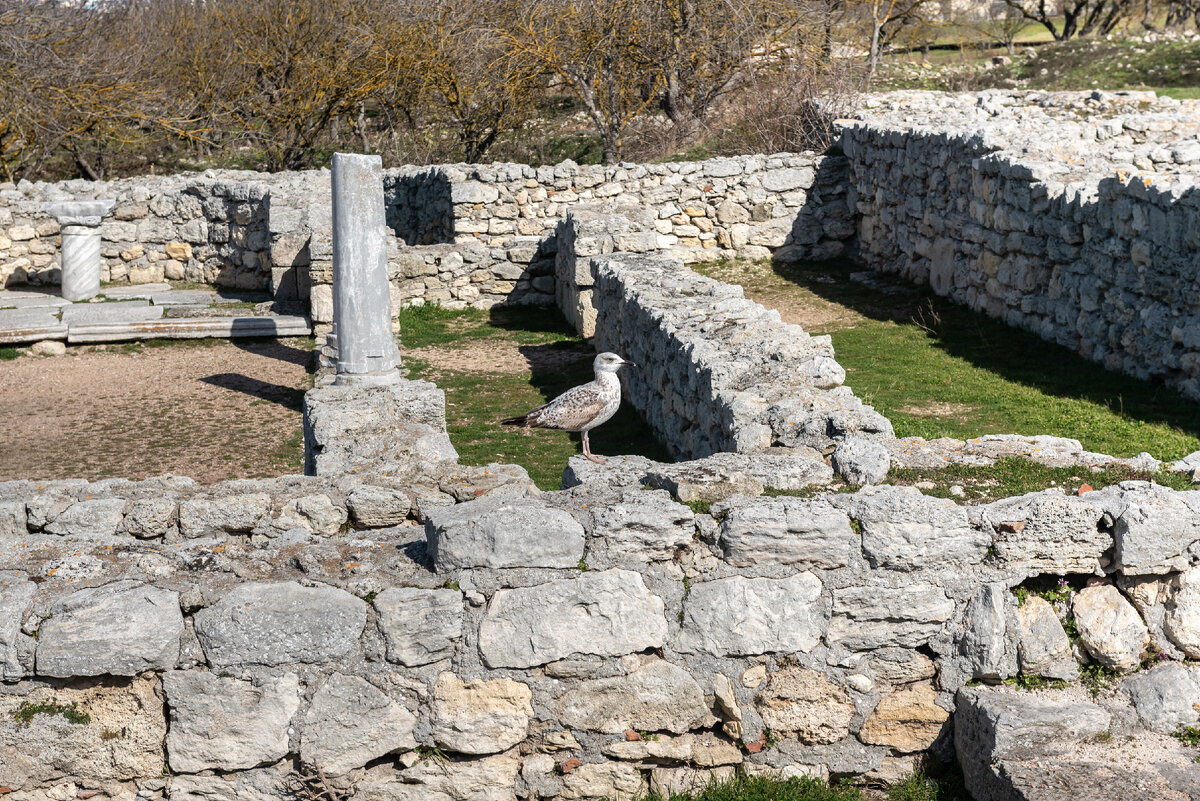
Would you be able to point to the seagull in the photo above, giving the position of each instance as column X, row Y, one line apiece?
column 581, row 408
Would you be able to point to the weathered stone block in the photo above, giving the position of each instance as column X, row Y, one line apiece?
column 865, row 618
column 97, row 518
column 228, row 724
column 502, row 532
column 119, row 629
column 352, row 722
column 642, row 527
column 788, row 531
column 419, row 626
column 608, row 613
column 906, row 530
column 740, row 616
column 1109, row 627
column 657, row 697
column 908, row 720
column 479, row 717
column 807, row 703
column 280, row 624
column 230, row 513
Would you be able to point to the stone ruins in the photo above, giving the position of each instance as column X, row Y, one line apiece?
column 396, row 626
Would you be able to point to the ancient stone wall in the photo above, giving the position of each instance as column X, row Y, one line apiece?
column 1083, row 230
column 209, row 228
column 160, row 639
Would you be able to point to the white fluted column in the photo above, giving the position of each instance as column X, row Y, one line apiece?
column 80, row 253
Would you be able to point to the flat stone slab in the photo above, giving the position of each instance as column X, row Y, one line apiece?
column 191, row 328
column 31, row 300
column 183, row 297
column 123, row 311
column 30, row 325
column 144, row 291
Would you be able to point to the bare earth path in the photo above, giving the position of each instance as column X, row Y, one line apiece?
column 208, row 410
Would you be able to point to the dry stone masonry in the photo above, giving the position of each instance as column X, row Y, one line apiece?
column 396, row 626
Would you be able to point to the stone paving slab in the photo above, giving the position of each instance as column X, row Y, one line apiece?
column 145, row 291
column 29, row 325
column 31, row 301
column 125, row 311
column 191, row 328
column 183, row 297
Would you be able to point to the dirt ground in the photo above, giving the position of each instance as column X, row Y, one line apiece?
column 211, row 410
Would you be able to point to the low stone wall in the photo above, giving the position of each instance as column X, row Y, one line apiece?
column 209, row 228
column 159, row 639
column 1091, row 247
column 717, row 372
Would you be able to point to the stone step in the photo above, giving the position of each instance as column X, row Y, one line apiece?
column 191, row 328
column 124, row 311
column 132, row 291
column 30, row 300
column 183, row 297
column 32, row 332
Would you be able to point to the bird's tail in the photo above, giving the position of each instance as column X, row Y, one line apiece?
column 523, row 420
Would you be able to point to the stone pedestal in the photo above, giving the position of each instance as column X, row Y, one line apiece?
column 80, row 255
column 362, row 301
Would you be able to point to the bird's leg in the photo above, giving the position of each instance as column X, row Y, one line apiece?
column 587, row 451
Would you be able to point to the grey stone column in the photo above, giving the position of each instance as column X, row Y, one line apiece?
column 80, row 253
column 362, row 297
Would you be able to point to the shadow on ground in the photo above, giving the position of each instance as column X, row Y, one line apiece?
column 1014, row 355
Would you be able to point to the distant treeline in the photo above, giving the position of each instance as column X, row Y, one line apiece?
column 115, row 87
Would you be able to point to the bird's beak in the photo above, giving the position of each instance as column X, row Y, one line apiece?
column 628, row 363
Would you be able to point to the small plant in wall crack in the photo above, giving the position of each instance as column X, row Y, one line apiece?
column 26, row 712
column 309, row 783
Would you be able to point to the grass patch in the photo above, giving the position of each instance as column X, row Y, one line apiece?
column 1015, row 476
column 765, row 788
column 26, row 712
column 8, row 354
column 476, row 400
column 936, row 369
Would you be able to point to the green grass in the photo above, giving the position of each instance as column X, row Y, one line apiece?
column 937, row 369
column 477, row 399
column 765, row 788
column 1015, row 476
column 26, row 712
column 8, row 354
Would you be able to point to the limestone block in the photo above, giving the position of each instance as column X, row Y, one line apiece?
column 657, row 697
column 906, row 530
column 377, row 507
column 230, row 513
column 807, row 703
column 642, row 527
column 1109, row 627
column 987, row 641
column 605, row 780
column 702, row 750
column 491, row 778
column 1153, row 527
column 608, row 613
column 669, row 782
column 224, row 723
column 50, row 748
column 1165, row 697
column 898, row 666
column 788, row 531
column 788, row 179
column 499, row 532
column 865, row 618
column 1182, row 620
column 419, row 626
column 149, row 517
column 16, row 591
column 263, row 784
column 1043, row 648
column 473, row 192
column 96, row 518
column 740, row 616
column 861, row 460
column 119, row 629
column 279, row 624
column 350, row 723
column 479, row 717
column 907, row 720
column 1048, row 532
column 313, row 513
column 990, row 724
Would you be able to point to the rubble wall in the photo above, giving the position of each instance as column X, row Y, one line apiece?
column 476, row 639
column 1082, row 247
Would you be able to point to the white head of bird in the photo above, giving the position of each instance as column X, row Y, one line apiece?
column 609, row 363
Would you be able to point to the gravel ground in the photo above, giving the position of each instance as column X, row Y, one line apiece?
column 211, row 410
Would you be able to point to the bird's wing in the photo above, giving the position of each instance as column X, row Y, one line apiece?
column 570, row 411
